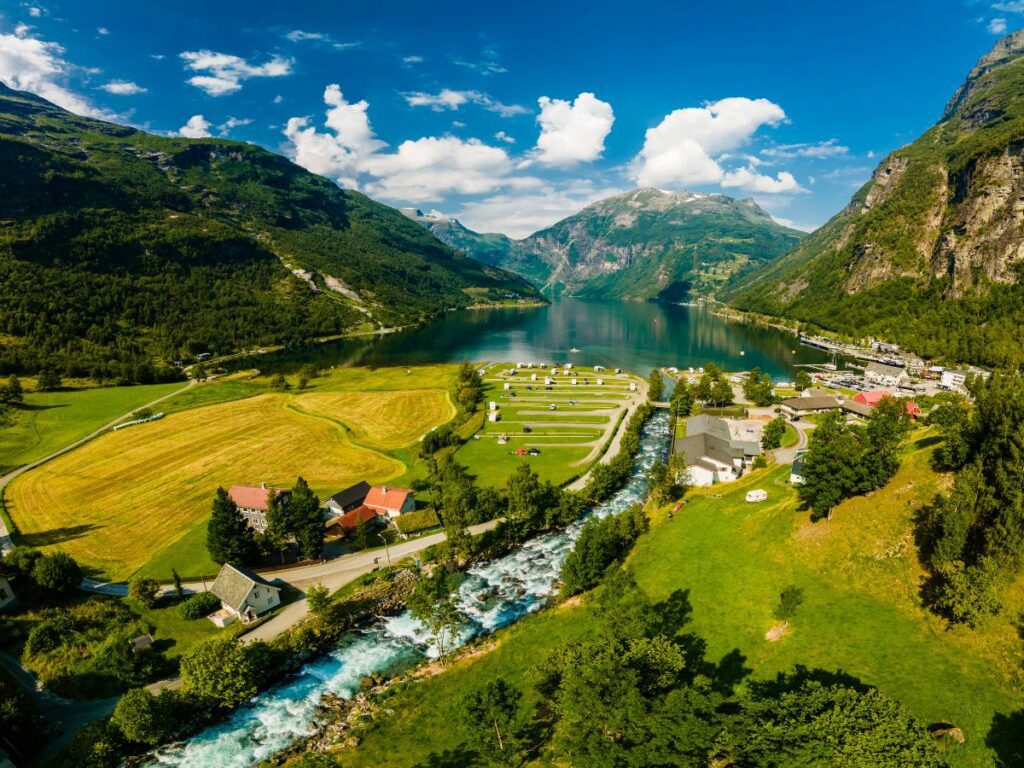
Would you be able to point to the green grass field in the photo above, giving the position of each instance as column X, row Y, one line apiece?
column 50, row 420
column 570, row 437
column 861, row 615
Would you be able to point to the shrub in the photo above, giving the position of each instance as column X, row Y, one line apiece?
column 422, row 519
column 22, row 559
column 57, row 572
column 199, row 606
column 144, row 590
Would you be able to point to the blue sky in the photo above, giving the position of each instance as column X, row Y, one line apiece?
column 514, row 116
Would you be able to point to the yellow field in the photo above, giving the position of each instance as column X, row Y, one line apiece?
column 118, row 500
column 385, row 420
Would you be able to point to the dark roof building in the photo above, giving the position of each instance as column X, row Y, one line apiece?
column 708, row 436
column 348, row 499
column 234, row 583
column 812, row 404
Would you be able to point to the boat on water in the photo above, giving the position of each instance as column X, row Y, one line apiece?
column 574, row 349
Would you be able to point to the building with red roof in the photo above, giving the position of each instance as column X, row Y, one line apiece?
column 252, row 501
column 913, row 409
column 390, row 501
column 872, row 397
column 350, row 520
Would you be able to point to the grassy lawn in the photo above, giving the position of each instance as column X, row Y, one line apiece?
column 569, row 437
column 419, row 728
column 48, row 421
column 862, row 614
column 139, row 498
column 790, row 436
column 175, row 636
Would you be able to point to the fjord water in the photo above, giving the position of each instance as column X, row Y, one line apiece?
column 634, row 335
column 495, row 594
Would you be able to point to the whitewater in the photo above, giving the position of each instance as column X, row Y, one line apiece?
column 495, row 594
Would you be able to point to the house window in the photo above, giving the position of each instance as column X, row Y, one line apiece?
column 256, row 593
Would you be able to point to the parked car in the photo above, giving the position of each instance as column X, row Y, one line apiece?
column 534, row 452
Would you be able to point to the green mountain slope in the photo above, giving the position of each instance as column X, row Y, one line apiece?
column 929, row 252
column 121, row 251
column 643, row 244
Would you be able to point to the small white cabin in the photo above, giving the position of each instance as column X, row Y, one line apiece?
column 757, row 495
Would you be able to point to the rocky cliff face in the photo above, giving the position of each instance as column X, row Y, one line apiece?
column 639, row 245
column 930, row 251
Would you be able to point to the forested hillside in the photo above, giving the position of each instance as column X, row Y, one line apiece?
column 928, row 253
column 121, row 251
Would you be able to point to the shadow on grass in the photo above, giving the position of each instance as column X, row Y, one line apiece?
column 56, row 535
column 1006, row 738
column 450, row 758
column 788, row 681
column 37, row 406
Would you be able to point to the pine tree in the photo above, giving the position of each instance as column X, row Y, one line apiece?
column 228, row 537
column 276, row 533
column 306, row 520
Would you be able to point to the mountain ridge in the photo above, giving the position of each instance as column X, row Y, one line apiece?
column 928, row 252
column 121, row 250
column 640, row 244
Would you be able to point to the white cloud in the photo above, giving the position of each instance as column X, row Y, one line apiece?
column 297, row 35
column 523, row 212
column 793, row 224
column 502, row 136
column 31, row 64
column 123, row 88
column 1012, row 6
column 447, row 98
column 458, row 124
column 419, row 170
column 22, row 29
column 35, row 11
column 226, row 72
column 997, row 26
column 816, row 150
column 412, row 59
column 750, row 180
column 232, row 123
column 573, row 132
column 683, row 149
column 102, row 31
column 197, row 127
column 278, row 99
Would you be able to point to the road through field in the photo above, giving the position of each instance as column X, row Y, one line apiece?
column 6, row 543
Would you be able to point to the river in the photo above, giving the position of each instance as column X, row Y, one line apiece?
column 634, row 335
column 515, row 585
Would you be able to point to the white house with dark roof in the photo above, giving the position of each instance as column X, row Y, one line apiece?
column 243, row 595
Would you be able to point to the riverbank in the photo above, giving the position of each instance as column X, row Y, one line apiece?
column 515, row 585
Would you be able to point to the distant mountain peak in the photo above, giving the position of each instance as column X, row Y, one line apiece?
column 1005, row 50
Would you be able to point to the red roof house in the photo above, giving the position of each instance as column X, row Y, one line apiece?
column 390, row 501
column 872, row 398
column 251, row 501
column 350, row 520
column 913, row 409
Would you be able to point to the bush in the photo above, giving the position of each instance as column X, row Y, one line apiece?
column 22, row 559
column 601, row 543
column 199, row 606
column 147, row 719
column 144, row 590
column 57, row 572
column 421, row 520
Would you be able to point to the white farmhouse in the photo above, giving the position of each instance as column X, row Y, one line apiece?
column 887, row 375
column 243, row 595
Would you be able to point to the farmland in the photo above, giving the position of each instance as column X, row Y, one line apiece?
column 144, row 493
column 47, row 421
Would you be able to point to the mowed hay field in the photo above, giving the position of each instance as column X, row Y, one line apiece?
column 385, row 420
column 119, row 500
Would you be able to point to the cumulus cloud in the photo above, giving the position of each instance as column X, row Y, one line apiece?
column 519, row 213
column 997, row 26
column 571, row 132
column 30, row 64
column 102, row 31
column 750, row 180
column 123, row 88
column 412, row 59
column 817, row 150
column 297, row 35
column 502, row 136
column 419, row 170
column 448, row 98
column 225, row 72
column 231, row 123
column 197, row 127
column 684, row 148
column 35, row 11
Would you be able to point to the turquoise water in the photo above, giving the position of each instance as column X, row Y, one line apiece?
column 634, row 335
